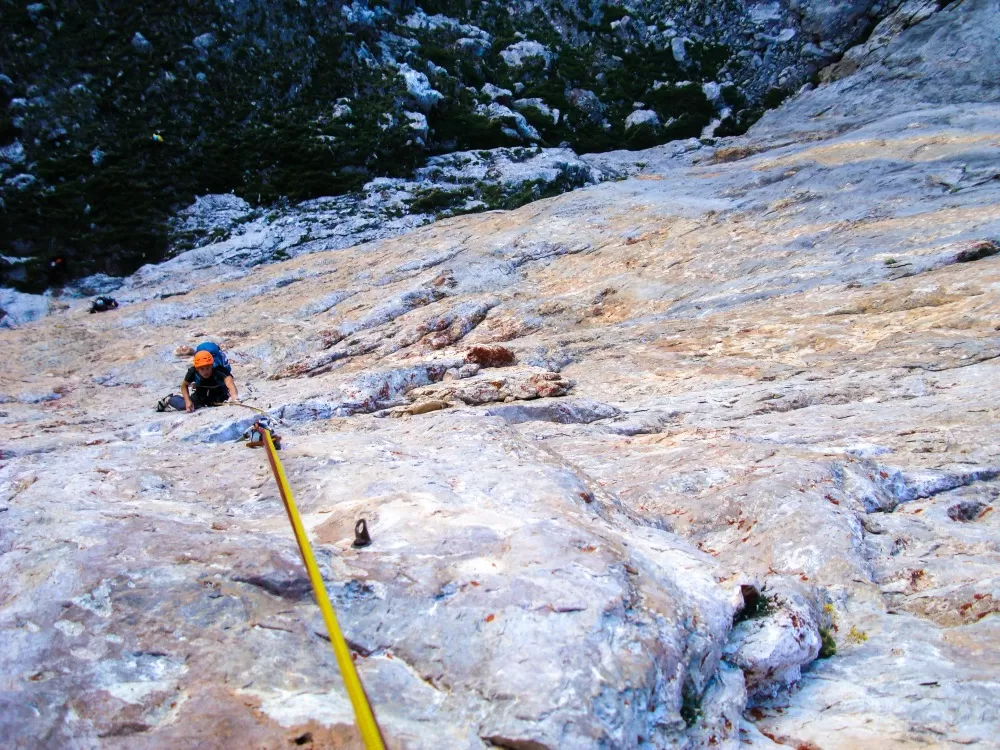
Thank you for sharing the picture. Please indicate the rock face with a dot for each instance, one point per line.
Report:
(738, 483)
(226, 230)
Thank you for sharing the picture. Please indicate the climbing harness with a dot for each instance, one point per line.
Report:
(363, 714)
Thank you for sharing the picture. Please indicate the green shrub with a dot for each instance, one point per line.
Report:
(755, 604)
(828, 645)
(457, 128)
(739, 124)
(733, 97)
(432, 201)
(612, 13)
(642, 136)
(709, 58)
(680, 101)
(690, 706)
(774, 97)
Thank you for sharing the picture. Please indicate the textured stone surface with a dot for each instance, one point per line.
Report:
(779, 360)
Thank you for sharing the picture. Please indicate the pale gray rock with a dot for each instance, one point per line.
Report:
(96, 284)
(21, 181)
(205, 41)
(495, 92)
(473, 45)
(418, 123)
(365, 56)
(564, 411)
(208, 428)
(763, 14)
(496, 112)
(520, 53)
(358, 13)
(341, 109)
(37, 398)
(860, 91)
(642, 117)
(419, 88)
(141, 44)
(22, 308)
(209, 212)
(828, 19)
(538, 105)
(420, 20)
(720, 714)
(587, 103)
(12, 153)
(678, 46)
(772, 649)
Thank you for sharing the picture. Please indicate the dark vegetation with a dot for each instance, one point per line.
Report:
(119, 134)
(755, 604)
(252, 117)
(828, 646)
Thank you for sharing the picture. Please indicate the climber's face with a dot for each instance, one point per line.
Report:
(205, 371)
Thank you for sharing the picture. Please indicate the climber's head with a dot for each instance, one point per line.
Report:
(203, 363)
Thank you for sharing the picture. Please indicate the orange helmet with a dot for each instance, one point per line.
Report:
(203, 358)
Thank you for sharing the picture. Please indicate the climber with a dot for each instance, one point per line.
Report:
(212, 378)
(57, 272)
(103, 304)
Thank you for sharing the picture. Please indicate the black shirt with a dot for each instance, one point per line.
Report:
(210, 390)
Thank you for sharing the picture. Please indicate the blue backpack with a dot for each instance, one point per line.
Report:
(221, 361)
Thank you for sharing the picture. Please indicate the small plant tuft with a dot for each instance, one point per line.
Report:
(828, 646)
(755, 604)
(691, 707)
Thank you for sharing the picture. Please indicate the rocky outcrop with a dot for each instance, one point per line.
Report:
(109, 125)
(757, 504)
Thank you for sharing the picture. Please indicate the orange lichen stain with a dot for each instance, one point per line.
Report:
(490, 617)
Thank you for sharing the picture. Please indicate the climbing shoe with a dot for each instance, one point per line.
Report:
(164, 403)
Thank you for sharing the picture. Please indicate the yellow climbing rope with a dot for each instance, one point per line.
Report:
(364, 717)
(247, 406)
